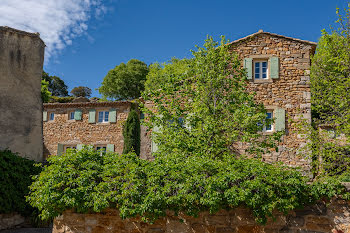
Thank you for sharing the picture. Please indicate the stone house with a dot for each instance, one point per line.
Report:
(72, 125)
(21, 67)
(278, 69)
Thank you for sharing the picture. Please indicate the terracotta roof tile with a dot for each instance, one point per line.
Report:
(85, 104)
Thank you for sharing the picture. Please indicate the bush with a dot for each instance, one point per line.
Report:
(85, 181)
(58, 99)
(131, 133)
(15, 178)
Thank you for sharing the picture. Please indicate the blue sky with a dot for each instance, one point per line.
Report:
(156, 31)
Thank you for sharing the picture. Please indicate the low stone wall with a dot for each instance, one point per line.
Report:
(8, 221)
(323, 217)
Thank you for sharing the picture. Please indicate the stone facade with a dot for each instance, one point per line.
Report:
(289, 91)
(320, 218)
(21, 66)
(64, 132)
(285, 92)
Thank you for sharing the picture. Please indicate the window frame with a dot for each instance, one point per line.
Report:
(49, 116)
(101, 146)
(69, 146)
(260, 62)
(103, 117)
(272, 126)
(69, 116)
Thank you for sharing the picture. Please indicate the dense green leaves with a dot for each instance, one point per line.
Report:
(125, 81)
(81, 91)
(55, 85)
(45, 93)
(15, 178)
(202, 106)
(131, 133)
(86, 181)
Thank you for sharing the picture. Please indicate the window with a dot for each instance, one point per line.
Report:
(260, 70)
(72, 147)
(103, 116)
(268, 127)
(101, 148)
(51, 116)
(71, 115)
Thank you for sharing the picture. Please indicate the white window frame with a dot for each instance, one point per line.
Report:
(260, 62)
(103, 117)
(271, 126)
(49, 118)
(102, 148)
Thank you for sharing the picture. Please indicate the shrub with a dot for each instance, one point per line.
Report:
(15, 178)
(131, 133)
(85, 181)
(58, 99)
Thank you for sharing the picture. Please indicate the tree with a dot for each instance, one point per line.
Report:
(330, 97)
(131, 133)
(125, 81)
(45, 93)
(56, 85)
(205, 108)
(81, 91)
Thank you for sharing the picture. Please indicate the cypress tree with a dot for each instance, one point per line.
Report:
(131, 133)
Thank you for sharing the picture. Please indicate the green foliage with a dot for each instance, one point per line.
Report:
(87, 182)
(125, 81)
(81, 91)
(131, 133)
(58, 99)
(329, 135)
(202, 106)
(330, 77)
(15, 173)
(45, 93)
(160, 74)
(56, 85)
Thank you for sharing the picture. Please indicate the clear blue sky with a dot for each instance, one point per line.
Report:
(157, 30)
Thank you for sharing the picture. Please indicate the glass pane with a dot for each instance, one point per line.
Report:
(264, 64)
(72, 115)
(106, 116)
(52, 116)
(100, 116)
(268, 127)
(269, 115)
(257, 65)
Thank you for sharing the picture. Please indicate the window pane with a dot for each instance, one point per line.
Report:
(100, 116)
(52, 116)
(72, 115)
(268, 127)
(106, 116)
(269, 115)
(264, 64)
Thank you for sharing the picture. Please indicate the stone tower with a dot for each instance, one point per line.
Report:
(21, 66)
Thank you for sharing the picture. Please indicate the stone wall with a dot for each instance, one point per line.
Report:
(21, 66)
(73, 132)
(291, 91)
(319, 218)
(8, 221)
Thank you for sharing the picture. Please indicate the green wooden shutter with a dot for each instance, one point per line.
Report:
(274, 67)
(280, 121)
(44, 115)
(154, 146)
(80, 146)
(110, 148)
(78, 115)
(248, 65)
(92, 116)
(112, 115)
(60, 148)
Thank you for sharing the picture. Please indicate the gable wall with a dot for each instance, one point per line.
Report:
(291, 91)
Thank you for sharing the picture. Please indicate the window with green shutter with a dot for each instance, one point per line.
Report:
(113, 115)
(248, 65)
(60, 149)
(92, 116)
(274, 67)
(280, 119)
(78, 115)
(44, 115)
